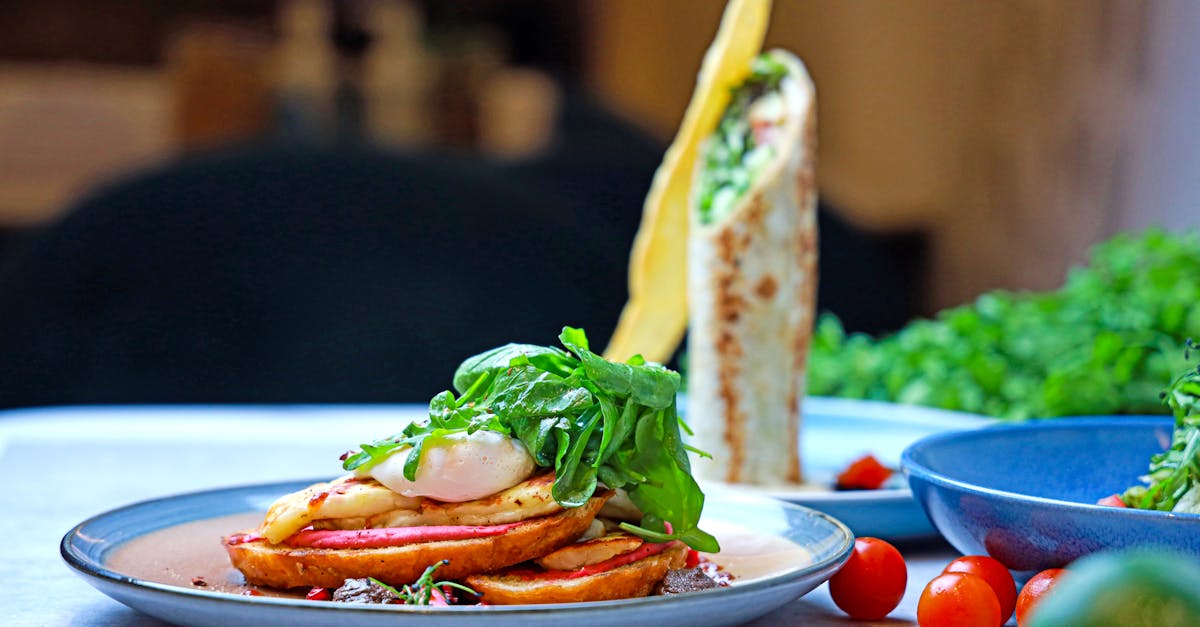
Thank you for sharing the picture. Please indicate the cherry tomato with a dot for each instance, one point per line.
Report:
(1034, 590)
(958, 600)
(996, 576)
(864, 473)
(872, 582)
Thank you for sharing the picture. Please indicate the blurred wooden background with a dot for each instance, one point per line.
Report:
(1001, 129)
(1013, 134)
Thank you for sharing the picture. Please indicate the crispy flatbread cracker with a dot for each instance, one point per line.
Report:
(655, 316)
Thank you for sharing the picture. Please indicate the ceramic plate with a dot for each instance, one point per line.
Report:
(777, 550)
(837, 431)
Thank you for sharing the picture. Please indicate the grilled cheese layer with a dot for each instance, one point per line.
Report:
(351, 503)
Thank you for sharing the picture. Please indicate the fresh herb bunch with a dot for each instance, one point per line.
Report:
(590, 419)
(420, 592)
(732, 159)
(1174, 473)
(1105, 343)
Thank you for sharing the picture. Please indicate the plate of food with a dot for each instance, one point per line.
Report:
(164, 558)
(550, 485)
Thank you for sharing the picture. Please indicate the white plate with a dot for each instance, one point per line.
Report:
(786, 550)
(837, 431)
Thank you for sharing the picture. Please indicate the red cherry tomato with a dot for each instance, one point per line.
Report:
(872, 582)
(996, 576)
(864, 473)
(1034, 590)
(958, 600)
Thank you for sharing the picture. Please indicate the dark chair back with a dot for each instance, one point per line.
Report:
(277, 275)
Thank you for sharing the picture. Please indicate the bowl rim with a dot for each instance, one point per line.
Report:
(912, 468)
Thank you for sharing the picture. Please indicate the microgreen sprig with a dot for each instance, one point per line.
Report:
(420, 592)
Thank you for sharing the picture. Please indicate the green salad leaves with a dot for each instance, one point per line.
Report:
(589, 419)
(1175, 473)
(1107, 342)
(732, 158)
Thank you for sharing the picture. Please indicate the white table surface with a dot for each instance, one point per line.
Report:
(62, 466)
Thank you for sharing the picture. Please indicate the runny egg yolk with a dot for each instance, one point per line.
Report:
(459, 467)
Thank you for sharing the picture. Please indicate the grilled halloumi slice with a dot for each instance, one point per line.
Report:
(346, 497)
(350, 503)
(529, 499)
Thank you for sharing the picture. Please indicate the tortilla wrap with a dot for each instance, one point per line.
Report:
(654, 318)
(752, 277)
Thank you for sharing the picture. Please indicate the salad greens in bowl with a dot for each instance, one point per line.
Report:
(1173, 483)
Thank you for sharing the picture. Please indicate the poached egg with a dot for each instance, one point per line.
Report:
(458, 467)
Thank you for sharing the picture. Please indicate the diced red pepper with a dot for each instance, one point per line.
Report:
(864, 473)
(1113, 500)
(319, 594)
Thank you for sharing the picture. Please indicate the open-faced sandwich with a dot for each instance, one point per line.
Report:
(547, 476)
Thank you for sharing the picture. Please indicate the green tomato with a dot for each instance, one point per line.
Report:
(1124, 589)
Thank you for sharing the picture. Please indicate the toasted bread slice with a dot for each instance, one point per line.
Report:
(282, 566)
(631, 580)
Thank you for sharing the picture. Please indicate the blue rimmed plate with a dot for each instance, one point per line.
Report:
(163, 557)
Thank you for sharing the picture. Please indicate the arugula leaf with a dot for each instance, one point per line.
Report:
(590, 419)
(499, 358)
(646, 383)
(672, 496)
(529, 391)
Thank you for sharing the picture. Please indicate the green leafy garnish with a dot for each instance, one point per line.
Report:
(1107, 342)
(590, 419)
(420, 592)
(1174, 473)
(731, 156)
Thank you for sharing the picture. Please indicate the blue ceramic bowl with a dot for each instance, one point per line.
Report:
(1025, 494)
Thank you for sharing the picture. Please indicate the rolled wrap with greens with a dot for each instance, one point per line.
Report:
(752, 275)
